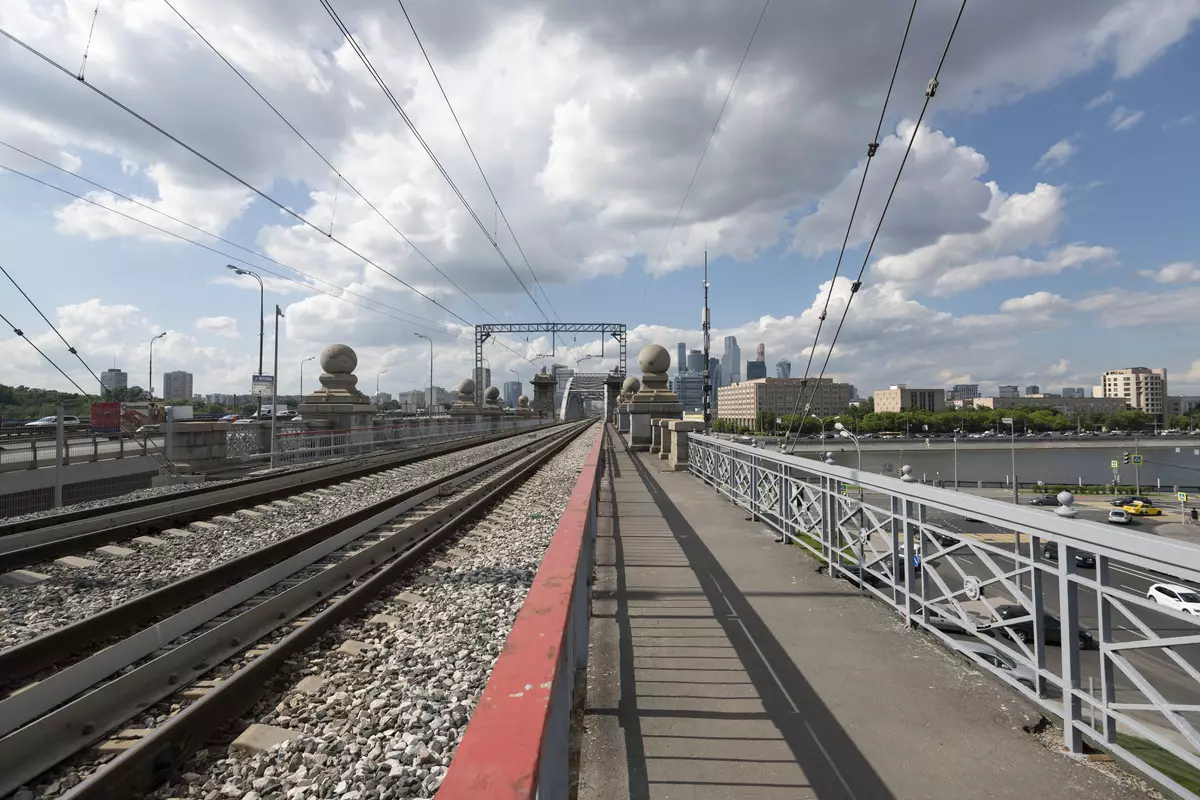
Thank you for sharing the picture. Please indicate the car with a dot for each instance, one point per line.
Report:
(149, 429)
(1140, 509)
(230, 418)
(1082, 559)
(51, 421)
(1172, 595)
(1119, 516)
(1124, 501)
(1022, 673)
(946, 620)
(1051, 627)
(1044, 500)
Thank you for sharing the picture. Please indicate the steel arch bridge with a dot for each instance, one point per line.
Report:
(606, 329)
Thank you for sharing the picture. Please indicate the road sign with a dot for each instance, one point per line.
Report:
(1137, 459)
(262, 385)
(1007, 421)
(1183, 497)
(1113, 463)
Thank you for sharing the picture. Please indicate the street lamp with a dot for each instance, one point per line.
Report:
(261, 308)
(957, 431)
(1012, 437)
(429, 404)
(150, 375)
(310, 358)
(377, 374)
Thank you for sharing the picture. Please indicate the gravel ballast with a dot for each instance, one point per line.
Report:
(73, 593)
(384, 722)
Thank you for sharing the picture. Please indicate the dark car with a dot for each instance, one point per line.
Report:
(1124, 501)
(1082, 559)
(1044, 500)
(1051, 627)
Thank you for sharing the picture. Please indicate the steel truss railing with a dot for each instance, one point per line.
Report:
(1138, 675)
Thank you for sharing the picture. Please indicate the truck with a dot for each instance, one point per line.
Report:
(111, 419)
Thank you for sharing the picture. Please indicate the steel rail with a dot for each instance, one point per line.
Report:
(106, 526)
(30, 657)
(154, 758)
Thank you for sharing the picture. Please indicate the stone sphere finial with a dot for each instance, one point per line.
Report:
(338, 359)
(492, 394)
(631, 385)
(522, 402)
(654, 359)
(466, 386)
(906, 474)
(1065, 501)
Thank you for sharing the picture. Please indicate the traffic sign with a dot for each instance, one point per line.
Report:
(1007, 420)
(1137, 459)
(1183, 497)
(1113, 463)
(262, 385)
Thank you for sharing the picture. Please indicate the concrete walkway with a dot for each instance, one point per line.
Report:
(722, 666)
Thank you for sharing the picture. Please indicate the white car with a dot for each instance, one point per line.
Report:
(49, 422)
(1172, 595)
(1119, 516)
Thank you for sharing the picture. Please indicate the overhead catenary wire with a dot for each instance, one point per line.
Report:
(872, 149)
(930, 91)
(475, 158)
(341, 177)
(20, 333)
(225, 171)
(704, 152)
(70, 349)
(366, 61)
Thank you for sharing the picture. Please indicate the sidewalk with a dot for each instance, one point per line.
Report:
(722, 666)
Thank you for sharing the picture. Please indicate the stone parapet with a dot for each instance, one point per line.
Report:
(197, 446)
(677, 436)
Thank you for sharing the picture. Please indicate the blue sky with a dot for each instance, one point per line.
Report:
(1001, 260)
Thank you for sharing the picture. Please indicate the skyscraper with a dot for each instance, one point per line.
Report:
(681, 357)
(714, 377)
(483, 379)
(760, 353)
(756, 369)
(512, 392)
(695, 361)
(731, 362)
(114, 379)
(177, 385)
(783, 368)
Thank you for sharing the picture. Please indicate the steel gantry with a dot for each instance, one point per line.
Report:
(484, 332)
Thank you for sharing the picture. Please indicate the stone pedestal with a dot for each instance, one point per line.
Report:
(492, 413)
(677, 436)
(197, 446)
(464, 409)
(524, 412)
(654, 400)
(543, 394)
(612, 394)
(628, 389)
(337, 405)
(662, 441)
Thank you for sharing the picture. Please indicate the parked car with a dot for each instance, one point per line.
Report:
(1051, 627)
(1082, 559)
(1140, 509)
(51, 421)
(945, 619)
(1022, 673)
(1172, 595)
(149, 430)
(230, 418)
(1119, 516)
(1124, 501)
(1044, 500)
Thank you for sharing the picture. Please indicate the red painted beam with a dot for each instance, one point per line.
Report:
(499, 755)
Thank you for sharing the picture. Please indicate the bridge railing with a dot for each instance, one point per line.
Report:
(1063, 606)
(517, 744)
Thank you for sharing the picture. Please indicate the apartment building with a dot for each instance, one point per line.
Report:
(743, 402)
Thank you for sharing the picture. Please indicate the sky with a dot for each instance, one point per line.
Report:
(1043, 228)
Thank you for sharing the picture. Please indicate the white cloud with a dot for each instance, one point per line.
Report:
(1058, 154)
(224, 327)
(1059, 368)
(1036, 302)
(1122, 119)
(1179, 272)
(1097, 101)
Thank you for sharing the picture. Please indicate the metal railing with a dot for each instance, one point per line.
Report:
(36, 450)
(517, 744)
(973, 570)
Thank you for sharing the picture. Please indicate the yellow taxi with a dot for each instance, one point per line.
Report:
(1140, 509)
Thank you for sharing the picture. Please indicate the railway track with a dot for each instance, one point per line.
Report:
(279, 601)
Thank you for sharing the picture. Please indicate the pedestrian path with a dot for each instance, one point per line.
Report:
(721, 665)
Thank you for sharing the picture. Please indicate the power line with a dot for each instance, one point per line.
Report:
(337, 20)
(872, 149)
(222, 253)
(341, 178)
(930, 91)
(704, 152)
(29, 341)
(223, 170)
(474, 158)
(70, 349)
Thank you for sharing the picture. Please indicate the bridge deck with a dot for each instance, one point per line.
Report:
(722, 666)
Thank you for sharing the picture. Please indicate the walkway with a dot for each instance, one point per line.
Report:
(722, 666)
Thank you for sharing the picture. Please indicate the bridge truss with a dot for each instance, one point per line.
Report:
(606, 329)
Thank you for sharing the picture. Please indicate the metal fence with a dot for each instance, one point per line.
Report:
(1063, 607)
(40, 449)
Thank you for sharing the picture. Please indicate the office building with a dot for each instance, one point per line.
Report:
(412, 400)
(695, 361)
(1075, 391)
(731, 362)
(114, 379)
(1033, 389)
(221, 399)
(177, 385)
(689, 387)
(783, 368)
(1182, 404)
(901, 398)
(681, 357)
(483, 379)
(512, 393)
(714, 378)
(854, 392)
(963, 391)
(1066, 405)
(743, 402)
(1009, 391)
(1142, 388)
(381, 398)
(756, 370)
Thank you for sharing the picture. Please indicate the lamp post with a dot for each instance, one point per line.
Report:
(261, 309)
(310, 358)
(150, 375)
(1012, 438)
(429, 403)
(275, 386)
(956, 432)
(377, 374)
(845, 433)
